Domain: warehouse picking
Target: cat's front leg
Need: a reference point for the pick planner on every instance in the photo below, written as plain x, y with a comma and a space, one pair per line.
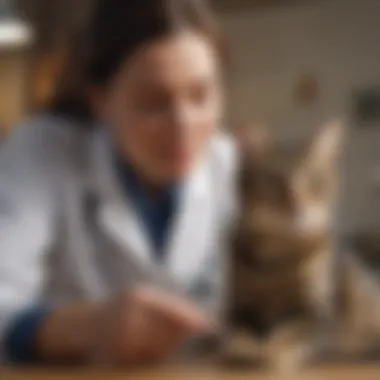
291, 359
291, 347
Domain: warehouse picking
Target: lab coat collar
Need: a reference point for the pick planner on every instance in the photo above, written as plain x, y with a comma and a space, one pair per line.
189, 233
117, 218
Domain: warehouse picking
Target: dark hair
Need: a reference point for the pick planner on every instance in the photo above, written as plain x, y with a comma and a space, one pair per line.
118, 28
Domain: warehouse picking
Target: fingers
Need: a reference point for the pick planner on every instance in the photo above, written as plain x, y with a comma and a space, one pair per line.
136, 333
155, 323
163, 340
181, 313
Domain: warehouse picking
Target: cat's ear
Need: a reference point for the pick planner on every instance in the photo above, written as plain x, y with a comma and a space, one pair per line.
317, 174
252, 139
327, 146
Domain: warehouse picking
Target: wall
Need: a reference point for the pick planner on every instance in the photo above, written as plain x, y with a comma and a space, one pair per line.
339, 42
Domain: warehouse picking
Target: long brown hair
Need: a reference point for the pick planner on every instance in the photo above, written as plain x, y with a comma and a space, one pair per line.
117, 30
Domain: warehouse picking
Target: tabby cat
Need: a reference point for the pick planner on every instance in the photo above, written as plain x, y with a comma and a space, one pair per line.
293, 298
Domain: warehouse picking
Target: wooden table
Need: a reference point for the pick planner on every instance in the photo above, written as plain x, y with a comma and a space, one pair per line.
365, 372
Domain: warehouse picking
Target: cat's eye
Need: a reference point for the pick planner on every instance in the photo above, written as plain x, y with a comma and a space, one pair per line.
269, 184
276, 189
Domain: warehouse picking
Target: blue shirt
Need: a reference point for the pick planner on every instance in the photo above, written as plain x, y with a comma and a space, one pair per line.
156, 213
155, 209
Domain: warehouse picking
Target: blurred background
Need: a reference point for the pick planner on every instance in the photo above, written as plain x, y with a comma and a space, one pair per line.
295, 65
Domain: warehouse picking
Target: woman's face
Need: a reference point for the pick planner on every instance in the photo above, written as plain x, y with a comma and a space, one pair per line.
164, 104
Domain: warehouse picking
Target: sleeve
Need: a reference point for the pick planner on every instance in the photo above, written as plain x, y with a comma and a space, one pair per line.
20, 335
26, 224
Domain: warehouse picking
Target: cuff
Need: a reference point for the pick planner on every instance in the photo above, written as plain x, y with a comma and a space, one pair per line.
19, 340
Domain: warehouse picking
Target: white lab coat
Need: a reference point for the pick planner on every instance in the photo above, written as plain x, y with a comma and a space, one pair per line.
68, 233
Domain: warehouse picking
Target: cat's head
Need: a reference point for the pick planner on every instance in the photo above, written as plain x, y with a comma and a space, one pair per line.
286, 208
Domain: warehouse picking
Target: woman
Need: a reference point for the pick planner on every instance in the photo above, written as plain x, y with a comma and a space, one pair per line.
111, 228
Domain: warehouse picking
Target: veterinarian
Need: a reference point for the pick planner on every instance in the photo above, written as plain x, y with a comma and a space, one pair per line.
114, 203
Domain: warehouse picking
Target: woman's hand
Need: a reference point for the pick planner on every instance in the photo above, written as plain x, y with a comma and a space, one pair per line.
145, 325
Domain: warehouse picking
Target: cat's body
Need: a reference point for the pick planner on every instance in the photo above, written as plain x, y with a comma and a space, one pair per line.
293, 297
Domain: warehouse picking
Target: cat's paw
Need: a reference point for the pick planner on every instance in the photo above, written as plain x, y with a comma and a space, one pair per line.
287, 362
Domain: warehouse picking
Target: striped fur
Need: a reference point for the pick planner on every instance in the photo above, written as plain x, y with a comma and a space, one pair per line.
292, 299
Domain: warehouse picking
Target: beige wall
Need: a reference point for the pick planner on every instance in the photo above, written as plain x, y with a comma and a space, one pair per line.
338, 40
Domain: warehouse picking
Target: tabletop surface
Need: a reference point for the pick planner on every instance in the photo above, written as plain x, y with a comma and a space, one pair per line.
367, 372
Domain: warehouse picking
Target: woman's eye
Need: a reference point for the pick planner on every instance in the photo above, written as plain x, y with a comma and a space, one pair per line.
200, 94
153, 104
153, 107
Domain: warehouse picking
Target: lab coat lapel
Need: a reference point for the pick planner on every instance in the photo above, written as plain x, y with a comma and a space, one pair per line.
192, 230
191, 234
117, 217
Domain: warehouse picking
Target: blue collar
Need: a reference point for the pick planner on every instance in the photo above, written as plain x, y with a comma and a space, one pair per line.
156, 212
